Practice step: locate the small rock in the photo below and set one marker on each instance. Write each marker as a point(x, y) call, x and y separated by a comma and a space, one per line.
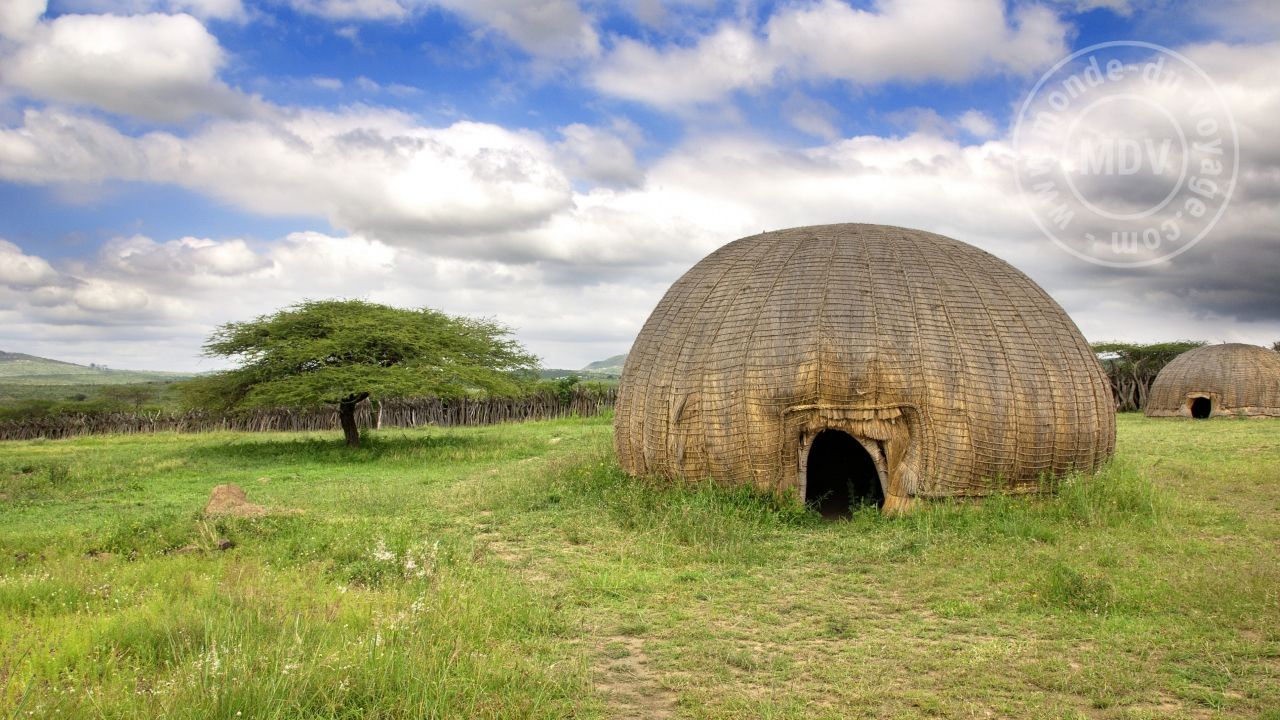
point(224, 544)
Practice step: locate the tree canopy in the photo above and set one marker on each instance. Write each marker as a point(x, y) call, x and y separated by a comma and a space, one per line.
point(343, 351)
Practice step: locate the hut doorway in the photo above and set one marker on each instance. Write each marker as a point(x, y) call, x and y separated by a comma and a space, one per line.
point(840, 475)
point(1201, 407)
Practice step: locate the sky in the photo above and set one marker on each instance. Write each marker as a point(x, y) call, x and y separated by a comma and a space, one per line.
point(167, 166)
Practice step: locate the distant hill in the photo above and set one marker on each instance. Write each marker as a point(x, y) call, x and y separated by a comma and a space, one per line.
point(610, 366)
point(23, 369)
point(607, 369)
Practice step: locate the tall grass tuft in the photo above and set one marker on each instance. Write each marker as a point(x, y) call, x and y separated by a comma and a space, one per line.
point(1090, 591)
point(714, 522)
point(1116, 495)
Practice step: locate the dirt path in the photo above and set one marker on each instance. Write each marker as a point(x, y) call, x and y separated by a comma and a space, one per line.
point(628, 683)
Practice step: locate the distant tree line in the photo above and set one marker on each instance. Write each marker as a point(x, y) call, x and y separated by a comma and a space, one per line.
point(89, 400)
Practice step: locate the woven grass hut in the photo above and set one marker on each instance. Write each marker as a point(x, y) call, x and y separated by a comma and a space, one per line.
point(1228, 379)
point(856, 363)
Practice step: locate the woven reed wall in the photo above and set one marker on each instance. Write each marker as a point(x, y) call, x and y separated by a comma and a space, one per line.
point(958, 366)
point(1240, 380)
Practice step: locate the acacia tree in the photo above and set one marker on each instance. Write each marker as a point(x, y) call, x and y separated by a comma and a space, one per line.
point(1134, 366)
point(343, 351)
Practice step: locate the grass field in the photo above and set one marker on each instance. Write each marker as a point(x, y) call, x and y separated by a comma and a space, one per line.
point(513, 571)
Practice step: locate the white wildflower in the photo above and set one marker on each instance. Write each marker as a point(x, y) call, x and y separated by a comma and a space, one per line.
point(381, 553)
point(211, 659)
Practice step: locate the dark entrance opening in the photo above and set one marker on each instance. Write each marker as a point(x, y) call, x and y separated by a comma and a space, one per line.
point(840, 475)
point(1201, 407)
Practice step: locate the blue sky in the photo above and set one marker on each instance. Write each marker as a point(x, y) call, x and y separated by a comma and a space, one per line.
point(170, 165)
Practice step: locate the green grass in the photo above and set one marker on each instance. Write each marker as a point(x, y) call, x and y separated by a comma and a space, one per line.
point(514, 571)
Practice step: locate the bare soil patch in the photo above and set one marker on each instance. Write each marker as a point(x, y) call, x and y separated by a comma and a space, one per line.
point(628, 682)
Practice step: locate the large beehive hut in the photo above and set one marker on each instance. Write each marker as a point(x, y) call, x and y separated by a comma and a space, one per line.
point(863, 363)
point(1227, 379)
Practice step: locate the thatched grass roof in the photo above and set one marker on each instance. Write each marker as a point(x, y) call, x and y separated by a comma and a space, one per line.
point(955, 370)
point(1228, 379)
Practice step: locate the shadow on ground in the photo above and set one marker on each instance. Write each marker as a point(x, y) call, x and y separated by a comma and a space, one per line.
point(316, 450)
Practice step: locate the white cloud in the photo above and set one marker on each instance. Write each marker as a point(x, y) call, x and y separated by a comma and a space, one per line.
point(55, 147)
point(101, 296)
point(1120, 7)
point(810, 115)
point(544, 28)
point(149, 311)
point(1257, 20)
point(920, 119)
point(550, 29)
point(598, 156)
point(204, 9)
point(915, 39)
point(361, 169)
point(188, 257)
point(977, 124)
point(374, 172)
point(1245, 75)
point(1036, 39)
point(729, 59)
point(18, 269)
point(900, 40)
point(19, 17)
point(332, 261)
point(162, 67)
point(369, 85)
point(358, 9)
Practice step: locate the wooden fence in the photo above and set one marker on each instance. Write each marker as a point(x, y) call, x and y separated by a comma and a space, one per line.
point(413, 412)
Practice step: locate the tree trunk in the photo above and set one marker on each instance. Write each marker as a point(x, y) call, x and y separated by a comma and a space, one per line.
point(347, 417)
